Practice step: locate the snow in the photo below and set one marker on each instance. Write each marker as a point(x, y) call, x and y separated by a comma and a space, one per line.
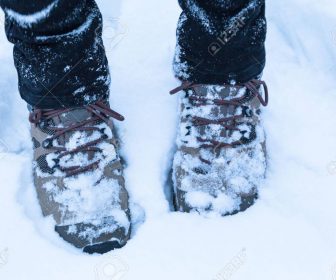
point(28, 20)
point(199, 199)
point(76, 32)
point(197, 11)
point(289, 233)
point(240, 169)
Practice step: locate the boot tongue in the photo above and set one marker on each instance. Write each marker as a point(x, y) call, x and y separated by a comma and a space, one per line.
point(72, 117)
point(214, 111)
point(224, 92)
point(69, 119)
point(220, 92)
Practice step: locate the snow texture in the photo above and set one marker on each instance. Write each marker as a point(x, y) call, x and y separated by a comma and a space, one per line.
point(240, 170)
point(289, 233)
point(30, 19)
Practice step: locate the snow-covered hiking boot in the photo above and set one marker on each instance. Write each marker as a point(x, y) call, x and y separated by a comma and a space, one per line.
point(78, 175)
point(221, 156)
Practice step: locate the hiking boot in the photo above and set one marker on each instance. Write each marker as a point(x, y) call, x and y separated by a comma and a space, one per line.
point(78, 175)
point(221, 157)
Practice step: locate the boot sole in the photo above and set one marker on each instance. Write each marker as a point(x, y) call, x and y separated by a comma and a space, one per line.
point(102, 248)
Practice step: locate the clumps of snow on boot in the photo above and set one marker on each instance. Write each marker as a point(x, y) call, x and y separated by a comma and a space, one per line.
point(216, 179)
point(87, 197)
point(79, 176)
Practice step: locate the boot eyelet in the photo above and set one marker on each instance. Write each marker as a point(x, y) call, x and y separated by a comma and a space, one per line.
point(42, 125)
point(47, 143)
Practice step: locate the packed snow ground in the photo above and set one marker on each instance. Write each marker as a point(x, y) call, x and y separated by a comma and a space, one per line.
point(289, 234)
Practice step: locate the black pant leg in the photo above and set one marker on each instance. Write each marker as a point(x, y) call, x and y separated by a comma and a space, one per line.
point(219, 41)
point(58, 51)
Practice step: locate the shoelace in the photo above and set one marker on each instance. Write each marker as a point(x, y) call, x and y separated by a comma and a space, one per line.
point(229, 123)
point(100, 112)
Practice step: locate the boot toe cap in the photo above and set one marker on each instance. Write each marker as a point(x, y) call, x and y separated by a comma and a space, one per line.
point(114, 238)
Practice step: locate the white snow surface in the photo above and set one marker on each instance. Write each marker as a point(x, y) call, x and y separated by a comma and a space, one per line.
point(291, 231)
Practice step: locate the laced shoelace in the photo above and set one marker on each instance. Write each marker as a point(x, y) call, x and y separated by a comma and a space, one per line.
point(99, 112)
point(229, 123)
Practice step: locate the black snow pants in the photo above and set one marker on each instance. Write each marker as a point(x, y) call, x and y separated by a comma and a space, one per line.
point(61, 62)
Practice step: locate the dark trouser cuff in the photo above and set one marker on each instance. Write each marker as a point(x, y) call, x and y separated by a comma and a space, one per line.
point(218, 43)
point(59, 55)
